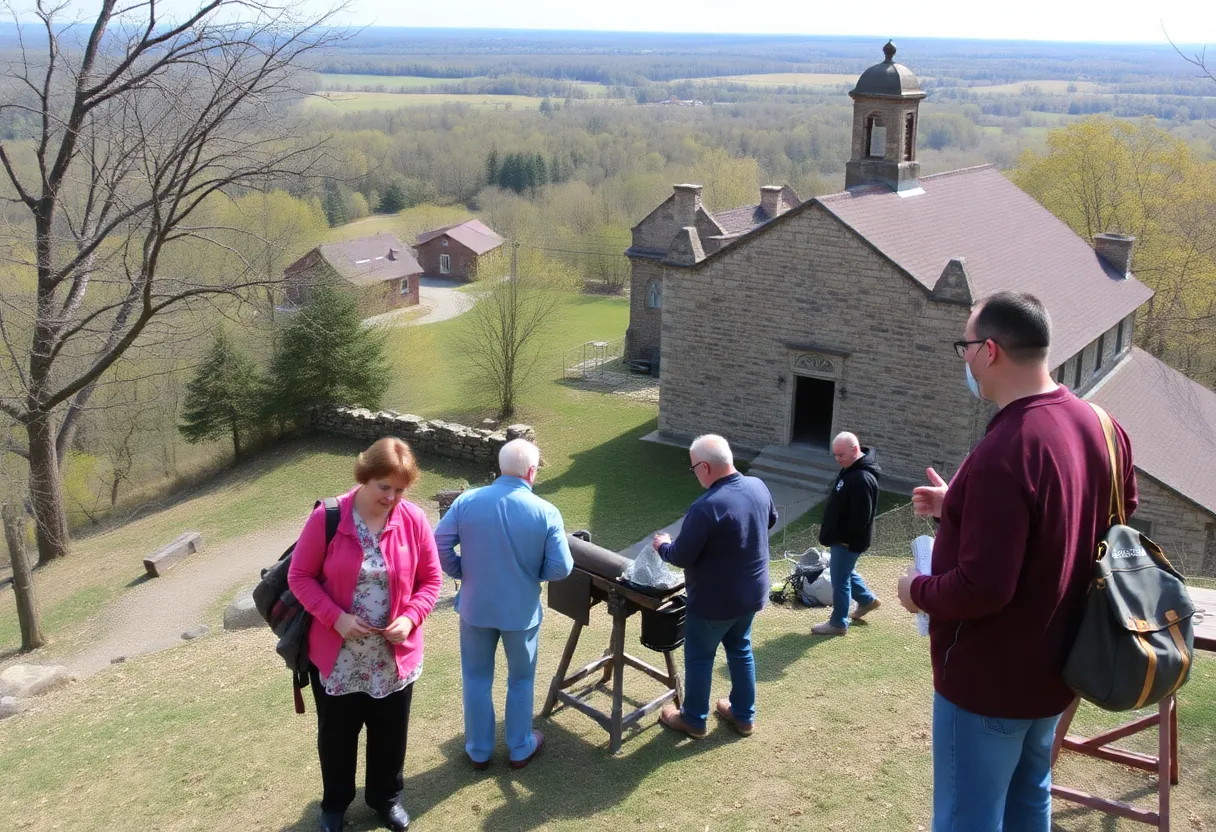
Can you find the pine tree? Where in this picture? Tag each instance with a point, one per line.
(223, 395)
(542, 175)
(393, 199)
(334, 205)
(326, 357)
(492, 167)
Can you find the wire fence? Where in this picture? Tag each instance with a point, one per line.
(894, 531)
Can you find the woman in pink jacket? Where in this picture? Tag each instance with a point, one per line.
(368, 596)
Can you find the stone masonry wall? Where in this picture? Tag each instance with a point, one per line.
(1180, 527)
(642, 337)
(732, 326)
(449, 439)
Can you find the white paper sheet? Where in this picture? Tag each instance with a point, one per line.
(922, 556)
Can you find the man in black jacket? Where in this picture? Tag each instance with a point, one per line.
(848, 521)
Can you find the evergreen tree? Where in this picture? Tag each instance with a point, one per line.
(334, 205)
(326, 357)
(223, 395)
(542, 175)
(393, 199)
(492, 167)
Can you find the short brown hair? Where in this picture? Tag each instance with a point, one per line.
(387, 457)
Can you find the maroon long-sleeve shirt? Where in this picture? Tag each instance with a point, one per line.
(1013, 556)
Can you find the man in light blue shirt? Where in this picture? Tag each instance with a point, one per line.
(510, 541)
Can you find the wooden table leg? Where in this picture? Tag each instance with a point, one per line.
(618, 677)
(1165, 763)
(1176, 770)
(563, 666)
(675, 679)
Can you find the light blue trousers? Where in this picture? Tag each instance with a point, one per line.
(478, 648)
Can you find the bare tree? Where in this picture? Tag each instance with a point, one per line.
(140, 127)
(23, 579)
(500, 333)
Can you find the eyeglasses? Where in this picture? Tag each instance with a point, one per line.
(960, 347)
(693, 467)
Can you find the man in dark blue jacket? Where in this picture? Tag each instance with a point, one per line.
(723, 549)
(848, 522)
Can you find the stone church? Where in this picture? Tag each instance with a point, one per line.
(779, 324)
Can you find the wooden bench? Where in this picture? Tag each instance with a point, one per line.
(165, 559)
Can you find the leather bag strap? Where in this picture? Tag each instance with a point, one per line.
(1116, 511)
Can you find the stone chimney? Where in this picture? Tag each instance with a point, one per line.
(1116, 249)
(392, 254)
(688, 200)
(770, 200)
(685, 249)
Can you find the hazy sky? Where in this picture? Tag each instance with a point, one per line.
(1074, 20)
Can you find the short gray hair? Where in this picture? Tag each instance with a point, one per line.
(713, 449)
(517, 456)
(845, 436)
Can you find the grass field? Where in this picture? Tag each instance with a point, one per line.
(358, 102)
(775, 79)
(179, 741)
(1046, 87)
(405, 83)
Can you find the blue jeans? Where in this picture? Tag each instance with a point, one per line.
(701, 639)
(989, 774)
(847, 585)
(478, 646)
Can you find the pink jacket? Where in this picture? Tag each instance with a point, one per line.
(325, 582)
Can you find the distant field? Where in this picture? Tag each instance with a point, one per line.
(1045, 87)
(391, 83)
(401, 83)
(787, 79)
(357, 102)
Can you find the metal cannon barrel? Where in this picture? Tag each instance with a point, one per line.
(596, 559)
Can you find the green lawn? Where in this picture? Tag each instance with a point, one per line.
(392, 83)
(340, 102)
(204, 735)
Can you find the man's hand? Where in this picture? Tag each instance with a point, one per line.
(350, 627)
(927, 499)
(659, 539)
(905, 589)
(399, 630)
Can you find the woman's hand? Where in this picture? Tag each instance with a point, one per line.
(399, 630)
(350, 627)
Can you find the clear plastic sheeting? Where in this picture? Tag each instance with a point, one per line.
(648, 569)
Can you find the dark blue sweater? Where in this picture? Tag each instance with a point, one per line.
(723, 548)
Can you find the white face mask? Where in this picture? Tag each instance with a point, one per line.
(972, 383)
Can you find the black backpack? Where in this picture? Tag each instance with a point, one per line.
(1136, 642)
(286, 616)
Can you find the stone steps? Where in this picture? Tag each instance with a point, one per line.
(809, 468)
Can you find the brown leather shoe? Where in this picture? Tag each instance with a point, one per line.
(722, 709)
(540, 743)
(482, 766)
(673, 719)
(863, 609)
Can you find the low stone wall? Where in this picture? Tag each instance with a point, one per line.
(435, 436)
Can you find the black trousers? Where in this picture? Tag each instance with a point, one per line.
(339, 721)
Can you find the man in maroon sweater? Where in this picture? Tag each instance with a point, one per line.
(1019, 523)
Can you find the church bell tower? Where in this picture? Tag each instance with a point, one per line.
(886, 117)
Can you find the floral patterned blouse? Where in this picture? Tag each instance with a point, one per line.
(367, 664)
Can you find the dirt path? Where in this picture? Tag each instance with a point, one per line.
(153, 615)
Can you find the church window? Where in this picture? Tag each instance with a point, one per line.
(1119, 338)
(654, 295)
(1076, 376)
(876, 138)
(909, 137)
(1098, 353)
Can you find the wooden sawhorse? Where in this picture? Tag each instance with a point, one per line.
(622, 602)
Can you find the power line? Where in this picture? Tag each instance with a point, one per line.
(617, 253)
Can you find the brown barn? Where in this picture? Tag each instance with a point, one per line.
(381, 271)
(455, 251)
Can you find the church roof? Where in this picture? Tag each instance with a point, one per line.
(1009, 241)
(1171, 421)
(888, 79)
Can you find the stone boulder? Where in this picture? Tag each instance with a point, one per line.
(22, 681)
(241, 614)
(10, 706)
(198, 632)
